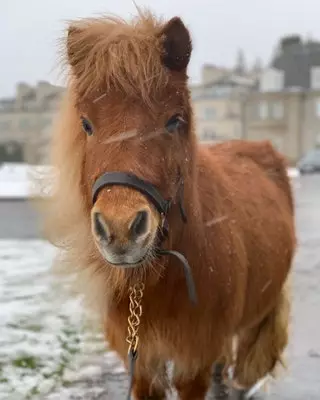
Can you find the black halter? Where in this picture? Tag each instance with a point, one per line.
(163, 206)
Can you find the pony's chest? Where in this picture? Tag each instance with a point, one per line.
(179, 340)
(174, 326)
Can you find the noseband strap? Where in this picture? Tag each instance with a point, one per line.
(132, 181)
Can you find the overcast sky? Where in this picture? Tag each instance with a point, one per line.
(29, 30)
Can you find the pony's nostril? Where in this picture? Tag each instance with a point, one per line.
(100, 226)
(139, 225)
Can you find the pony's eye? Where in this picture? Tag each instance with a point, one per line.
(174, 123)
(87, 126)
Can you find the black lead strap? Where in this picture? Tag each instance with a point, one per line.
(132, 357)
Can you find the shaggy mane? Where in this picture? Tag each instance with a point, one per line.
(111, 53)
(66, 215)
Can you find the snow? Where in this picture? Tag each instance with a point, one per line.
(19, 180)
(46, 340)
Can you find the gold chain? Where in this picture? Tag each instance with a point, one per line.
(135, 309)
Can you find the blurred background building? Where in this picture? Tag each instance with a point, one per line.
(25, 122)
(279, 102)
(286, 106)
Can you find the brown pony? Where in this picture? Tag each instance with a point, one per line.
(127, 109)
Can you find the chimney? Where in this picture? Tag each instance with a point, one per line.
(290, 42)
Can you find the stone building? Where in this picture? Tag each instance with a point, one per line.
(25, 119)
(280, 103)
(285, 108)
(218, 107)
(219, 99)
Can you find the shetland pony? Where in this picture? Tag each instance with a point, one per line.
(127, 111)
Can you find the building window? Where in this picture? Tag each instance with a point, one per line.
(11, 152)
(24, 124)
(263, 110)
(44, 122)
(209, 113)
(318, 107)
(315, 78)
(220, 90)
(237, 131)
(208, 134)
(277, 110)
(271, 80)
(5, 126)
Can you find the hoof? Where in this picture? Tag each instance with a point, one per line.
(220, 392)
(254, 393)
(240, 394)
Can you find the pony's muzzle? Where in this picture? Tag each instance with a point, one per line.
(138, 227)
(123, 241)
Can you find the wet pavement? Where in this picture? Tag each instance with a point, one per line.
(96, 375)
(302, 381)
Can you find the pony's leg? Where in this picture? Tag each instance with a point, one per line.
(221, 376)
(194, 386)
(150, 381)
(220, 389)
(260, 348)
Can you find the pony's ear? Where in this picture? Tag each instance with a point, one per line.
(177, 45)
(76, 47)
